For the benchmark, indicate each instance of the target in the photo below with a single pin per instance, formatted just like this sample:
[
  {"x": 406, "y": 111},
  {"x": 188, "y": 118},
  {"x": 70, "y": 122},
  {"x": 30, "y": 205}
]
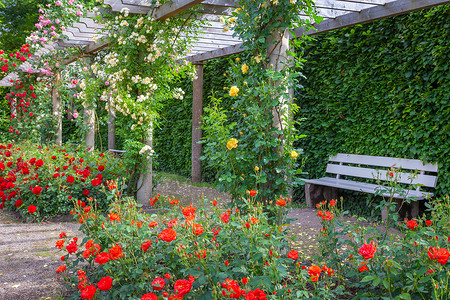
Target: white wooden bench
[
  {"x": 117, "y": 152},
  {"x": 372, "y": 167}
]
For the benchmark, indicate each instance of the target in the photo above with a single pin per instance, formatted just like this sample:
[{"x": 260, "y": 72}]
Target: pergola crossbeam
[{"x": 365, "y": 15}]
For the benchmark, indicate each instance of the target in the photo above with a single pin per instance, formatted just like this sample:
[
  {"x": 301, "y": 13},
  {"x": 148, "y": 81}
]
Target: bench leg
[
  {"x": 386, "y": 211},
  {"x": 308, "y": 195},
  {"x": 315, "y": 194},
  {"x": 414, "y": 209}
]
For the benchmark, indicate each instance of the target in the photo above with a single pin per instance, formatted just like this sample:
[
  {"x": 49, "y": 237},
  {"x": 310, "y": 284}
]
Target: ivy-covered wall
[{"x": 381, "y": 88}]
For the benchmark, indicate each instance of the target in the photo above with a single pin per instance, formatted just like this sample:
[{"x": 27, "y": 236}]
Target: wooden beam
[
  {"x": 228, "y": 3},
  {"x": 371, "y": 14},
  {"x": 170, "y": 9},
  {"x": 94, "y": 47},
  {"x": 216, "y": 53},
  {"x": 366, "y": 15}
]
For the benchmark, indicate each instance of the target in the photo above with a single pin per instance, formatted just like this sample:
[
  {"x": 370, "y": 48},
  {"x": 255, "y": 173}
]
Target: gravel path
[{"x": 29, "y": 258}]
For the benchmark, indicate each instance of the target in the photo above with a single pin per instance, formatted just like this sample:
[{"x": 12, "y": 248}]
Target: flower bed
[
  {"x": 44, "y": 181},
  {"x": 205, "y": 252},
  {"x": 197, "y": 253},
  {"x": 380, "y": 265}
]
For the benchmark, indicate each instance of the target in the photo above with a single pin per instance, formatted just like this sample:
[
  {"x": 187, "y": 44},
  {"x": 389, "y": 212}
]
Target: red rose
[
  {"x": 256, "y": 295},
  {"x": 443, "y": 256},
  {"x": 96, "y": 182},
  {"x": 18, "y": 203},
  {"x": 182, "y": 287},
  {"x": 368, "y": 250},
  {"x": 105, "y": 283},
  {"x": 332, "y": 203},
  {"x": 102, "y": 258},
  {"x": 281, "y": 202},
  {"x": 428, "y": 222},
  {"x": 225, "y": 217},
  {"x": 167, "y": 275},
  {"x": 197, "y": 229},
  {"x": 149, "y": 296},
  {"x": 327, "y": 216},
  {"x": 101, "y": 168},
  {"x": 252, "y": 193},
  {"x": 115, "y": 252},
  {"x": 168, "y": 235},
  {"x": 145, "y": 245},
  {"x": 31, "y": 209},
  {"x": 70, "y": 179},
  {"x": 72, "y": 247},
  {"x": 61, "y": 269},
  {"x": 88, "y": 292},
  {"x": 363, "y": 267},
  {"x": 37, "y": 190},
  {"x": 39, "y": 163},
  {"x": 314, "y": 272},
  {"x": 412, "y": 224},
  {"x": 158, "y": 283},
  {"x": 86, "y": 192},
  {"x": 293, "y": 254},
  {"x": 153, "y": 224}
]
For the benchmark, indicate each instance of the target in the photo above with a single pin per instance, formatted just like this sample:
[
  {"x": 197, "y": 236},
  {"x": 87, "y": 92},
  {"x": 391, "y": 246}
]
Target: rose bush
[
  {"x": 411, "y": 264},
  {"x": 193, "y": 252},
  {"x": 43, "y": 181}
]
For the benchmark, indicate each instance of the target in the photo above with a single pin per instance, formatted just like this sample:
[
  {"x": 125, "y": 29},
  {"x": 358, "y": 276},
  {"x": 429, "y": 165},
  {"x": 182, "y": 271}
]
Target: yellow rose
[
  {"x": 256, "y": 168},
  {"x": 294, "y": 154},
  {"x": 244, "y": 69},
  {"x": 234, "y": 91},
  {"x": 232, "y": 143},
  {"x": 237, "y": 58}
]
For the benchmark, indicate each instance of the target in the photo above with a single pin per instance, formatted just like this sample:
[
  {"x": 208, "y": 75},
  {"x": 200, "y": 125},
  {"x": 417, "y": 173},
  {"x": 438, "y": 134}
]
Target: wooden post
[
  {"x": 111, "y": 125},
  {"x": 145, "y": 182},
  {"x": 89, "y": 117},
  {"x": 277, "y": 47},
  {"x": 197, "y": 110},
  {"x": 56, "y": 101}
]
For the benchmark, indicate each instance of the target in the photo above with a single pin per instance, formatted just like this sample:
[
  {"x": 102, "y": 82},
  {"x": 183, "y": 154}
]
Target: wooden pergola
[{"x": 214, "y": 41}]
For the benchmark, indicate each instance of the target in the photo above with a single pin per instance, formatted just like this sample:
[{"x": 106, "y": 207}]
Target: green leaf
[{"x": 367, "y": 278}]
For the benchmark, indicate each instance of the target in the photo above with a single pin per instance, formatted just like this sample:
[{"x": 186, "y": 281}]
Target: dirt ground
[{"x": 29, "y": 257}]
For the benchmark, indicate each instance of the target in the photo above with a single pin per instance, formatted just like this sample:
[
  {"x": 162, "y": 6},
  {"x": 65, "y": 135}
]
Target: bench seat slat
[
  {"x": 364, "y": 187},
  {"x": 368, "y": 173},
  {"x": 380, "y": 161}
]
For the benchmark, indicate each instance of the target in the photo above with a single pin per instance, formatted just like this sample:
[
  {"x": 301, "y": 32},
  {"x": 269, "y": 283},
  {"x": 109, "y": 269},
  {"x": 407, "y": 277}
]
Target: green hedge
[{"x": 380, "y": 89}]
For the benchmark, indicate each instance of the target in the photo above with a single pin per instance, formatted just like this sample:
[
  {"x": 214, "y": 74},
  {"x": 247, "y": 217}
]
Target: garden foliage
[
  {"x": 194, "y": 252},
  {"x": 380, "y": 88}
]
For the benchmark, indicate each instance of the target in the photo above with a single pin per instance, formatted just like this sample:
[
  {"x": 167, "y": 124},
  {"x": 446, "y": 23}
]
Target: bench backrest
[{"x": 376, "y": 167}]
